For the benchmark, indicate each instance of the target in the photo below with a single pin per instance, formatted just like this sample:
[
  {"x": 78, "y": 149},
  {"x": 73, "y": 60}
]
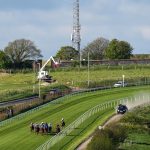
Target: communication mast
[{"x": 76, "y": 28}]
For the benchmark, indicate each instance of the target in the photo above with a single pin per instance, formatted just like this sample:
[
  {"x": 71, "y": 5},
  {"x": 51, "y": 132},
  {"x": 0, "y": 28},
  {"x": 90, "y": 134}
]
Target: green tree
[
  {"x": 21, "y": 50},
  {"x": 96, "y": 49},
  {"x": 4, "y": 60},
  {"x": 67, "y": 53},
  {"x": 118, "y": 50}
]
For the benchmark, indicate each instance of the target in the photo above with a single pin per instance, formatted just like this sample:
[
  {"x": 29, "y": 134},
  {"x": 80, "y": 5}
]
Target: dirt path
[{"x": 114, "y": 118}]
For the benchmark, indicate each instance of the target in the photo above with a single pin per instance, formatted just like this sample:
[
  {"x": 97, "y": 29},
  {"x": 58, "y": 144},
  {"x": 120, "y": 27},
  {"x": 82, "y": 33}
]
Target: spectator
[
  {"x": 8, "y": 112},
  {"x": 11, "y": 112}
]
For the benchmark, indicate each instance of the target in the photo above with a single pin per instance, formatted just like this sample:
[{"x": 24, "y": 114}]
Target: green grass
[
  {"x": 141, "y": 141},
  {"x": 138, "y": 133},
  {"x": 83, "y": 131},
  {"x": 137, "y": 147},
  {"x": 13, "y": 86},
  {"x": 74, "y": 76},
  {"x": 22, "y": 84},
  {"x": 140, "y": 137},
  {"x": 80, "y": 77},
  {"x": 17, "y": 134}
]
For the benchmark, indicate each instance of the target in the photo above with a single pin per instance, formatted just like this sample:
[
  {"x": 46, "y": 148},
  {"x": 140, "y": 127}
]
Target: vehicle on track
[
  {"x": 121, "y": 109},
  {"x": 120, "y": 84}
]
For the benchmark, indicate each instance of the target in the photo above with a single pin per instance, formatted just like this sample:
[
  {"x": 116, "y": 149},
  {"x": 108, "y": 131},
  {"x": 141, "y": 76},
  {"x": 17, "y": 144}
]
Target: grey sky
[{"x": 49, "y": 22}]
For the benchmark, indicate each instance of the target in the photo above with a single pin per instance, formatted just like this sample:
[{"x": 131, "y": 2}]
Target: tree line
[
  {"x": 98, "y": 49},
  {"x": 17, "y": 54}
]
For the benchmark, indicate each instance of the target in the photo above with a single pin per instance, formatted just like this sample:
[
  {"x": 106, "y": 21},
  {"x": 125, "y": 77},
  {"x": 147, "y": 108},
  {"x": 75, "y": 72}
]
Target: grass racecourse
[{"x": 17, "y": 135}]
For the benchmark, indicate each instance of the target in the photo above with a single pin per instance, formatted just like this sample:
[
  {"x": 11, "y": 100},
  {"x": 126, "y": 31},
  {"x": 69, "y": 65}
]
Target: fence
[
  {"x": 56, "y": 101},
  {"x": 130, "y": 81},
  {"x": 24, "y": 104},
  {"x": 130, "y": 102}
]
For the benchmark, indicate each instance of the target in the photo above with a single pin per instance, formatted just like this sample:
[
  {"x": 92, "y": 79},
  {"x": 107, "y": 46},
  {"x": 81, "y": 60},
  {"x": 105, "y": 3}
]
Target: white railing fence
[{"x": 130, "y": 102}]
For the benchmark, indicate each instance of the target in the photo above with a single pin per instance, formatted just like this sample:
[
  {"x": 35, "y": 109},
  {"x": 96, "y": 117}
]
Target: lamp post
[
  {"x": 88, "y": 70},
  {"x": 39, "y": 82},
  {"x": 123, "y": 80}
]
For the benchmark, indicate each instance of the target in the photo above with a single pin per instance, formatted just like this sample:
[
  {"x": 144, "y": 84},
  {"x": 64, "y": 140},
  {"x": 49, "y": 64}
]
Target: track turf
[{"x": 17, "y": 135}]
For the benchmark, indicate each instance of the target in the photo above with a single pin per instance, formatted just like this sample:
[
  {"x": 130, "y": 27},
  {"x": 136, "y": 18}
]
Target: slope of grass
[
  {"x": 22, "y": 85},
  {"x": 103, "y": 76},
  {"x": 17, "y": 135},
  {"x": 74, "y": 76},
  {"x": 137, "y": 147},
  {"x": 138, "y": 131},
  {"x": 140, "y": 137}
]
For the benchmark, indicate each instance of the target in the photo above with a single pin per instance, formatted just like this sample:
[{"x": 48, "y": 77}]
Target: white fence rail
[{"x": 130, "y": 102}]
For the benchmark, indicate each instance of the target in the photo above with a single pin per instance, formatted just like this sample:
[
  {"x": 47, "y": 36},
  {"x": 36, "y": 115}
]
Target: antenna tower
[{"x": 76, "y": 27}]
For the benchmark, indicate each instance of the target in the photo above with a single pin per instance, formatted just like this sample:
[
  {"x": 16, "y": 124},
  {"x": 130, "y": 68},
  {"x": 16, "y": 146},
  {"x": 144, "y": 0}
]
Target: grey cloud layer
[{"x": 51, "y": 28}]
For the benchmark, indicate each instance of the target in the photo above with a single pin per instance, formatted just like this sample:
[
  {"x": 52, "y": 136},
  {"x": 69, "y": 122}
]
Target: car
[
  {"x": 120, "y": 84},
  {"x": 121, "y": 109}
]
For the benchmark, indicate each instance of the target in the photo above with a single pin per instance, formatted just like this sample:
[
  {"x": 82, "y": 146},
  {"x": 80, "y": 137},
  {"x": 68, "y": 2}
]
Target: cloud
[
  {"x": 37, "y": 25},
  {"x": 137, "y": 8},
  {"x": 144, "y": 31},
  {"x": 49, "y": 23},
  {"x": 30, "y": 4}
]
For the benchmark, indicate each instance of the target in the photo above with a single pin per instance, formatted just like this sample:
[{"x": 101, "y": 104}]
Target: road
[
  {"x": 23, "y": 100},
  {"x": 18, "y": 101}
]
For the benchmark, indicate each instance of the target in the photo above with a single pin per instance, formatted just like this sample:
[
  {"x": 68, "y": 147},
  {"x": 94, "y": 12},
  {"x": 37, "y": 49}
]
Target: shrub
[
  {"x": 109, "y": 138},
  {"x": 116, "y": 132},
  {"x": 101, "y": 141},
  {"x": 136, "y": 117}
]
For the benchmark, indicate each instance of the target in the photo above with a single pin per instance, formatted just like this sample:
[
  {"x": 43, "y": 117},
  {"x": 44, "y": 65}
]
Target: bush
[
  {"x": 101, "y": 141},
  {"x": 116, "y": 132},
  {"x": 137, "y": 116},
  {"x": 109, "y": 138}
]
